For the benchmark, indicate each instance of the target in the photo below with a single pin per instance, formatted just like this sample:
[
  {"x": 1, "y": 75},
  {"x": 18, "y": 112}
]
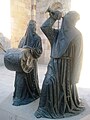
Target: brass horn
[{"x": 49, "y": 10}]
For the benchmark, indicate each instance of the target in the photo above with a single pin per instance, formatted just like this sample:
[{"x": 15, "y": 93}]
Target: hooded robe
[
  {"x": 59, "y": 97},
  {"x": 27, "y": 84}
]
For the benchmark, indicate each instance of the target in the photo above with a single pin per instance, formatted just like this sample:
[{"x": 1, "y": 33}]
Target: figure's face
[{"x": 33, "y": 28}]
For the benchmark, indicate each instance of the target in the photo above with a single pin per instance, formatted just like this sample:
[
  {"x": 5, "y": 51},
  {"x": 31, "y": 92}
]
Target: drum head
[{"x": 19, "y": 59}]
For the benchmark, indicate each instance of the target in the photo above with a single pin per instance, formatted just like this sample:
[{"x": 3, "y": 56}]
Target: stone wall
[{"x": 20, "y": 16}]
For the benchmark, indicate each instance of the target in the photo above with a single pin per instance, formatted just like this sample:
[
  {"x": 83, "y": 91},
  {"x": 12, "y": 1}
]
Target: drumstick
[{"x": 1, "y": 46}]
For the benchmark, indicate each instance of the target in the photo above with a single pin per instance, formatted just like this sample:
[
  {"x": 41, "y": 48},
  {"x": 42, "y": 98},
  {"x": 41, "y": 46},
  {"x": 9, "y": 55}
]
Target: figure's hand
[{"x": 57, "y": 15}]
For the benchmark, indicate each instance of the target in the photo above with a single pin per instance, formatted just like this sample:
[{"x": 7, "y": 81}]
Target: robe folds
[{"x": 59, "y": 97}]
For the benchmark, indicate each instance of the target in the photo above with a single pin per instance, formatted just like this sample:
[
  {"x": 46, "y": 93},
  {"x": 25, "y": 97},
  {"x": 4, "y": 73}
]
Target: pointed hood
[{"x": 66, "y": 34}]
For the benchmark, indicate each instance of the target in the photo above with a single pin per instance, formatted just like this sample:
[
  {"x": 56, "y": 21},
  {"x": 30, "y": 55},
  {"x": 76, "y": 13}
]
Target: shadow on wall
[{"x": 6, "y": 45}]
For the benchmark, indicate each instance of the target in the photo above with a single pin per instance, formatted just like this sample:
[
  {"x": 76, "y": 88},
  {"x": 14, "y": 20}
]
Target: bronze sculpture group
[
  {"x": 26, "y": 84},
  {"x": 59, "y": 96}
]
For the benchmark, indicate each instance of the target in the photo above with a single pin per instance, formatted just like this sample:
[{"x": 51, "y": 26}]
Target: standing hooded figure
[
  {"x": 26, "y": 84},
  {"x": 59, "y": 97}
]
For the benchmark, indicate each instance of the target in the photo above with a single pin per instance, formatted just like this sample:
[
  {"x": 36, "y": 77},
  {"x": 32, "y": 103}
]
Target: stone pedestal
[
  {"x": 10, "y": 112},
  {"x": 26, "y": 112}
]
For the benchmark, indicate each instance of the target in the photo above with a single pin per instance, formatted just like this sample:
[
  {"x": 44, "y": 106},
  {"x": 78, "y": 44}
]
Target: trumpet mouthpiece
[{"x": 49, "y": 10}]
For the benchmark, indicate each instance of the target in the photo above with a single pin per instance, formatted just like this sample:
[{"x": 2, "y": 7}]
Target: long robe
[
  {"x": 27, "y": 84},
  {"x": 59, "y": 97}
]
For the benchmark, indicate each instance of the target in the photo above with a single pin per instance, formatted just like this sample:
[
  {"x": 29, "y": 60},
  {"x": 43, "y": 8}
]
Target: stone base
[
  {"x": 26, "y": 112},
  {"x": 10, "y": 112}
]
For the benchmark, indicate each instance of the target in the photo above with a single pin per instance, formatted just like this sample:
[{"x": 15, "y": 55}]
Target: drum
[{"x": 19, "y": 59}]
